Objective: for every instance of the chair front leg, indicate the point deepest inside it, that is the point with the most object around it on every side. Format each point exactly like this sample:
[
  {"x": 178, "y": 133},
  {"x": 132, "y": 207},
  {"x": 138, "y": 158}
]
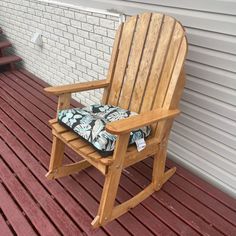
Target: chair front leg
[
  {"x": 57, "y": 155},
  {"x": 111, "y": 183},
  {"x": 63, "y": 101},
  {"x": 58, "y": 146}
]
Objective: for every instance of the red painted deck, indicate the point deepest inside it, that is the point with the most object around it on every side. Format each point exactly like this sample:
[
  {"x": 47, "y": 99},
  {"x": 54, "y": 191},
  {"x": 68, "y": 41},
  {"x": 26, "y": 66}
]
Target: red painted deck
[{"x": 32, "y": 205}]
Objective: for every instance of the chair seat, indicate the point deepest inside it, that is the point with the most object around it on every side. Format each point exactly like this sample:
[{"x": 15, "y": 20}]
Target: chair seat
[
  {"x": 93, "y": 156},
  {"x": 90, "y": 122}
]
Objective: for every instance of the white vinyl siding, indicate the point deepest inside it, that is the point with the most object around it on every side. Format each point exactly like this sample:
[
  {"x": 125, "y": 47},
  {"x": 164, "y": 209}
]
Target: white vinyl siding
[{"x": 204, "y": 136}]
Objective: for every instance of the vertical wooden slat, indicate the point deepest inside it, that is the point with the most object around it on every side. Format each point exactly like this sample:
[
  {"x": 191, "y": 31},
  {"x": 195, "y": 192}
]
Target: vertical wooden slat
[
  {"x": 146, "y": 62},
  {"x": 112, "y": 65},
  {"x": 155, "y": 74},
  {"x": 169, "y": 66},
  {"x": 172, "y": 98},
  {"x": 134, "y": 59},
  {"x": 168, "y": 80},
  {"x": 178, "y": 75},
  {"x": 126, "y": 42}
]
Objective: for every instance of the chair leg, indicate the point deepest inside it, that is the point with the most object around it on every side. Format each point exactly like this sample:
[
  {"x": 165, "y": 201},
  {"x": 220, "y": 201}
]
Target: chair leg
[
  {"x": 107, "y": 202},
  {"x": 57, "y": 155},
  {"x": 111, "y": 183},
  {"x": 159, "y": 176}
]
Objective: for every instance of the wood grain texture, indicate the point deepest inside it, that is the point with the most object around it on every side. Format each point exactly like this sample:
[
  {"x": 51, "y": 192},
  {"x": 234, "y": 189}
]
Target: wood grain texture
[
  {"x": 134, "y": 122},
  {"x": 5, "y": 230},
  {"x": 111, "y": 183},
  {"x": 146, "y": 63},
  {"x": 112, "y": 66},
  {"x": 30, "y": 207},
  {"x": 129, "y": 204},
  {"x": 158, "y": 63},
  {"x": 135, "y": 58},
  {"x": 22, "y": 227},
  {"x": 122, "y": 60},
  {"x": 169, "y": 66},
  {"x": 77, "y": 87},
  {"x": 57, "y": 155},
  {"x": 68, "y": 169}
]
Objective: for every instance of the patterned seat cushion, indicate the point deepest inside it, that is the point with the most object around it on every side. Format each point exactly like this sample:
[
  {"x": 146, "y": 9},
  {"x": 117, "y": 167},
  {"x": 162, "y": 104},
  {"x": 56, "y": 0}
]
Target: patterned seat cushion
[{"x": 89, "y": 123}]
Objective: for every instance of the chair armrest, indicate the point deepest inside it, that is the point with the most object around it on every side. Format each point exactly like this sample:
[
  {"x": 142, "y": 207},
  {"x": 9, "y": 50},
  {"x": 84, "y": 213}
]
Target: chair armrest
[
  {"x": 134, "y": 122},
  {"x": 77, "y": 87}
]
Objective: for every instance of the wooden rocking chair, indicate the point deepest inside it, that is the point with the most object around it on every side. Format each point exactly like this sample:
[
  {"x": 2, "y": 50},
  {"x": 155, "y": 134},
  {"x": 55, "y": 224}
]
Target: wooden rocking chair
[{"x": 146, "y": 75}]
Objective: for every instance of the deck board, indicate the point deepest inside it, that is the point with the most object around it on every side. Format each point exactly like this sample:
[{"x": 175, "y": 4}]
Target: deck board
[
  {"x": 4, "y": 228},
  {"x": 14, "y": 214},
  {"x": 195, "y": 204},
  {"x": 186, "y": 205},
  {"x": 168, "y": 210},
  {"x": 205, "y": 187},
  {"x": 29, "y": 206},
  {"x": 33, "y": 99}
]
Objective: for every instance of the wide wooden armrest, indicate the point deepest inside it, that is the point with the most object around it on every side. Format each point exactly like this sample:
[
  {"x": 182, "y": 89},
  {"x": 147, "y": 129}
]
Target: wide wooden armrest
[
  {"x": 77, "y": 87},
  {"x": 127, "y": 125}
]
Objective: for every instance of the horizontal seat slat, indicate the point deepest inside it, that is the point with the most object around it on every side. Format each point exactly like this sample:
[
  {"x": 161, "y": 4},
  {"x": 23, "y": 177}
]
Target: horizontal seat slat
[
  {"x": 53, "y": 121},
  {"x": 97, "y": 156},
  {"x": 59, "y": 128},
  {"x": 78, "y": 144},
  {"x": 69, "y": 136},
  {"x": 87, "y": 151}
]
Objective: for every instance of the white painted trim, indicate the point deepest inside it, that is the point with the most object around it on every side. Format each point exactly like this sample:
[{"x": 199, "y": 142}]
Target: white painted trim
[{"x": 85, "y": 6}]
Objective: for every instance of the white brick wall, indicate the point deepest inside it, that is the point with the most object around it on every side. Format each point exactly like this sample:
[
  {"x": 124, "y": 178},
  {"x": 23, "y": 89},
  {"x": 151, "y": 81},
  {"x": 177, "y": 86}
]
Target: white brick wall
[{"x": 76, "y": 43}]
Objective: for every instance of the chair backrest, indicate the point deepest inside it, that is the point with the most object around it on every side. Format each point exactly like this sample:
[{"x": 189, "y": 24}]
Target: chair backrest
[{"x": 147, "y": 63}]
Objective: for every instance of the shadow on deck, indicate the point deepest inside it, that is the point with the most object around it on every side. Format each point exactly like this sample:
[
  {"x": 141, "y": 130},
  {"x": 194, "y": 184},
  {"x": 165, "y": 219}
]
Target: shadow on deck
[{"x": 32, "y": 205}]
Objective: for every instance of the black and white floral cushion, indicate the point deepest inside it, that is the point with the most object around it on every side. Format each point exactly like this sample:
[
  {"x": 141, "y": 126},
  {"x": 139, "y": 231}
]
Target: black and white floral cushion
[{"x": 89, "y": 123}]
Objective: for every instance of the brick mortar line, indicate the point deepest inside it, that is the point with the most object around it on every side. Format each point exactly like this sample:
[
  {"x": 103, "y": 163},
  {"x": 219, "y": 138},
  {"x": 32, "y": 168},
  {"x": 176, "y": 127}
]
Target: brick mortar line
[{"x": 79, "y": 7}]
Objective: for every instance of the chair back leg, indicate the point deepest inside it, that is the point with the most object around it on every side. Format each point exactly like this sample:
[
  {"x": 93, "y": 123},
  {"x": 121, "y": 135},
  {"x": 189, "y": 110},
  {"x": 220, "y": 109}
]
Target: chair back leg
[{"x": 159, "y": 166}]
